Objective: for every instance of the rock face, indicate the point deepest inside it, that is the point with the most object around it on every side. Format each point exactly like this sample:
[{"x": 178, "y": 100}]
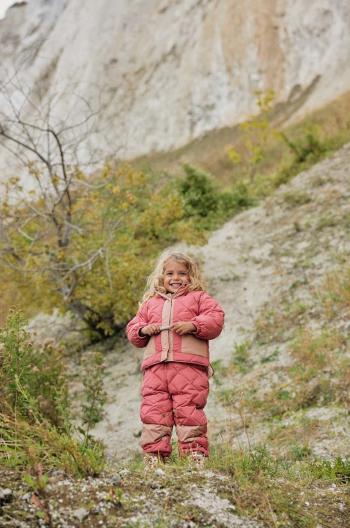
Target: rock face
[{"x": 162, "y": 72}]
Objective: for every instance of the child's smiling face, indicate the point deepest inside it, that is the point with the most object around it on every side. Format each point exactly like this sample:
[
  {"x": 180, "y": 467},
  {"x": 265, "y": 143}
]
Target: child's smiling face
[{"x": 175, "y": 275}]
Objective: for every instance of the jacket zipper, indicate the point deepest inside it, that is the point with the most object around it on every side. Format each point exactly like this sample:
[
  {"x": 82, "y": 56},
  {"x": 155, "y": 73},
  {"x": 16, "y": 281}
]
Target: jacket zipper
[{"x": 170, "y": 335}]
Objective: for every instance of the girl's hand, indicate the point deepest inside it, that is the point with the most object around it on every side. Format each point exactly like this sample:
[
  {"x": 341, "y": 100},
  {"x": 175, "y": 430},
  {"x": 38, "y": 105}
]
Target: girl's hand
[
  {"x": 183, "y": 327},
  {"x": 150, "y": 329}
]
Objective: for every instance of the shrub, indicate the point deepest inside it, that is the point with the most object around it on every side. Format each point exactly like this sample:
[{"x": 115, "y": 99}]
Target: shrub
[
  {"x": 199, "y": 192},
  {"x": 95, "y": 395},
  {"x": 119, "y": 225},
  {"x": 35, "y": 425},
  {"x": 33, "y": 381},
  {"x": 238, "y": 198},
  {"x": 308, "y": 146},
  {"x": 205, "y": 204}
]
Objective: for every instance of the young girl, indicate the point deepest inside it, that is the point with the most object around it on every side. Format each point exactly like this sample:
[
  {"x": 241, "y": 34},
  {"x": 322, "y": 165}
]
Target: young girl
[{"x": 174, "y": 324}]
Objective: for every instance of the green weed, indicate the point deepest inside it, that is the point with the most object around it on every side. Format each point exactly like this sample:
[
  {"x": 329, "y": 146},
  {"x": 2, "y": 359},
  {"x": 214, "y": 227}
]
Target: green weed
[
  {"x": 227, "y": 397},
  {"x": 326, "y": 221},
  {"x": 334, "y": 293},
  {"x": 275, "y": 324},
  {"x": 270, "y": 357},
  {"x": 337, "y": 470},
  {"x": 284, "y": 491},
  {"x": 317, "y": 351},
  {"x": 35, "y": 425},
  {"x": 240, "y": 358},
  {"x": 93, "y": 371},
  {"x": 299, "y": 452},
  {"x": 296, "y": 198}
]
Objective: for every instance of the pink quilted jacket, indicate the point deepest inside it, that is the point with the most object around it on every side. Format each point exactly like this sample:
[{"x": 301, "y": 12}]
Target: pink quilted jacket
[{"x": 195, "y": 306}]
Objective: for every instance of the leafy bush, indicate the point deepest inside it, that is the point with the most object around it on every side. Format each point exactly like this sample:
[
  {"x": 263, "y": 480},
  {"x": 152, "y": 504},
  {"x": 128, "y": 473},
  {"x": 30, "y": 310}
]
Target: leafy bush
[
  {"x": 257, "y": 132},
  {"x": 33, "y": 381},
  {"x": 238, "y": 198},
  {"x": 119, "y": 225},
  {"x": 205, "y": 204},
  {"x": 201, "y": 197},
  {"x": 308, "y": 146},
  {"x": 265, "y": 157},
  {"x": 92, "y": 255},
  {"x": 35, "y": 425}
]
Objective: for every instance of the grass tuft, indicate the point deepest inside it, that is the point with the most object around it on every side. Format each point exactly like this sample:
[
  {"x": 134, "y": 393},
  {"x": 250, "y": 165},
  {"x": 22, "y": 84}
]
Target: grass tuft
[{"x": 35, "y": 423}]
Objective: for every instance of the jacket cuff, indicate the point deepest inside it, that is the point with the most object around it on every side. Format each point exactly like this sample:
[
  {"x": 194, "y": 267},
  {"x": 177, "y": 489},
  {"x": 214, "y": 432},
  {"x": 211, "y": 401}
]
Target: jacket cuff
[
  {"x": 142, "y": 336},
  {"x": 198, "y": 327}
]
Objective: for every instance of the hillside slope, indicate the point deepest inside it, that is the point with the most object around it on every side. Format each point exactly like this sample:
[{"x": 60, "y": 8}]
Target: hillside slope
[
  {"x": 264, "y": 266},
  {"x": 279, "y": 403}
]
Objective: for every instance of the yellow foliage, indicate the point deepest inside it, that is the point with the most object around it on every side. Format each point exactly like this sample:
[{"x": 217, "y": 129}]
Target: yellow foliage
[
  {"x": 118, "y": 225},
  {"x": 256, "y": 132}
]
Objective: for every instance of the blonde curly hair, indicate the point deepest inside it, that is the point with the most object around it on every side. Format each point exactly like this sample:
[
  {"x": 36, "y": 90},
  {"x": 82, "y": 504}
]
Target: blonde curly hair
[{"x": 155, "y": 282}]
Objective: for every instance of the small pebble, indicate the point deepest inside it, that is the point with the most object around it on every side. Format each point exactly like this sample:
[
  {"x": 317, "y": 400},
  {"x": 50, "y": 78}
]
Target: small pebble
[
  {"x": 80, "y": 514},
  {"x": 26, "y": 496},
  {"x": 6, "y": 495},
  {"x": 116, "y": 480},
  {"x": 137, "y": 434}
]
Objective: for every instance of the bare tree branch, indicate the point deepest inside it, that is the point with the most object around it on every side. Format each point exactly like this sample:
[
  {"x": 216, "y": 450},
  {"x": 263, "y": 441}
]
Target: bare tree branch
[{"x": 50, "y": 149}]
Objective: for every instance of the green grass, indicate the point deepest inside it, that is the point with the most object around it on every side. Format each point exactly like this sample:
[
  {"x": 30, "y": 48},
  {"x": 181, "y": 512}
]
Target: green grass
[
  {"x": 292, "y": 490},
  {"x": 285, "y": 491},
  {"x": 35, "y": 421},
  {"x": 240, "y": 357},
  {"x": 296, "y": 198}
]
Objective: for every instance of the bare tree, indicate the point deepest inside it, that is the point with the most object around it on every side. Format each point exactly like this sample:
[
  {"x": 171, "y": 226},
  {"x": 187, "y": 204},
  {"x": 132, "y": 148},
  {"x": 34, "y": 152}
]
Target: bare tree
[{"x": 49, "y": 150}]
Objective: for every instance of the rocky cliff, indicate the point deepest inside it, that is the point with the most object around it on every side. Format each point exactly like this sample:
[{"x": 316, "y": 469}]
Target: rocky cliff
[{"x": 162, "y": 73}]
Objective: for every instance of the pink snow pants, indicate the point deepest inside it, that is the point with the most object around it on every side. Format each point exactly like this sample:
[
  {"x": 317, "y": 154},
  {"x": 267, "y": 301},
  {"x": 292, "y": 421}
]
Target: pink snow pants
[{"x": 174, "y": 393}]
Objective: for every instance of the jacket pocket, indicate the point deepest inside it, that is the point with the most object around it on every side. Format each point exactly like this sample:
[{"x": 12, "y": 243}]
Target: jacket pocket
[{"x": 192, "y": 345}]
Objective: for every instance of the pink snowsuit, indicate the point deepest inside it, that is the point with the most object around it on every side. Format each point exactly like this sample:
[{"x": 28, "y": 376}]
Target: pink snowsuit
[{"x": 175, "y": 383}]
